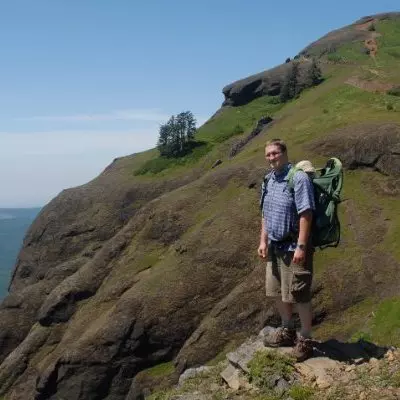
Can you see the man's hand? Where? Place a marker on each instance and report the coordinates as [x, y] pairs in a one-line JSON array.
[[263, 250], [299, 256]]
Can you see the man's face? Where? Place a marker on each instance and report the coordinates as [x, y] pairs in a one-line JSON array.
[[275, 157]]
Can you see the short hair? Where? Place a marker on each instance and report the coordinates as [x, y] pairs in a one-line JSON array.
[[277, 142]]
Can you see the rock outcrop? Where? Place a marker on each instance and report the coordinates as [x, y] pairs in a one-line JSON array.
[[264, 83], [130, 272], [252, 370], [262, 123], [131, 298], [375, 146], [269, 82]]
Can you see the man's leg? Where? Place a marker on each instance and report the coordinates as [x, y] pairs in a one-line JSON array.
[[277, 285], [286, 334], [300, 291], [285, 311], [305, 314]]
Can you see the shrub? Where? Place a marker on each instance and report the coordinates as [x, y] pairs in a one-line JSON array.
[[314, 74], [273, 100], [330, 49], [237, 130], [335, 58], [389, 107], [372, 28], [394, 91]]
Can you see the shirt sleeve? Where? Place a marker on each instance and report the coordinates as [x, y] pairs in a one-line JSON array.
[[303, 192]]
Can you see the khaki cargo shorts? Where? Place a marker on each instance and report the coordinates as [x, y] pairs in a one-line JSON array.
[[292, 282]]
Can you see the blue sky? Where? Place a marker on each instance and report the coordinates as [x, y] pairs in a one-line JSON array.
[[85, 81]]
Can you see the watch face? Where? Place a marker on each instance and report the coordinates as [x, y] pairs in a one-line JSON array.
[[301, 246]]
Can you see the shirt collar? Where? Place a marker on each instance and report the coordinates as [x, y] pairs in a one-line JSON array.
[[284, 174]]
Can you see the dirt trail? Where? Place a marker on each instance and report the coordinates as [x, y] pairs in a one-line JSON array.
[[369, 86], [370, 43]]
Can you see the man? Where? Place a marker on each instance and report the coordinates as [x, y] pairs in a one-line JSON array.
[[284, 243]]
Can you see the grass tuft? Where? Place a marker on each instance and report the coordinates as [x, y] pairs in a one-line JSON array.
[[298, 392], [162, 369], [267, 363], [384, 326], [161, 163]]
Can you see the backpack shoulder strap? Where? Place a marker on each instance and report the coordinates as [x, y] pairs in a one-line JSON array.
[[264, 188], [290, 177]]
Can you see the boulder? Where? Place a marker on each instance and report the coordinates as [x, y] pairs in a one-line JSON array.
[[264, 83], [369, 145], [192, 372], [261, 124]]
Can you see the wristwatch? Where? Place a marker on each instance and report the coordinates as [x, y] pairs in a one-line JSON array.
[[301, 246]]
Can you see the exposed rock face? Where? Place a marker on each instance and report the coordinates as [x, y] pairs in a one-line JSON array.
[[69, 250], [261, 124], [112, 299], [365, 145], [127, 272], [269, 82], [264, 83], [162, 286]]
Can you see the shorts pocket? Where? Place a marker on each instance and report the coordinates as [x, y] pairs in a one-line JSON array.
[[300, 287]]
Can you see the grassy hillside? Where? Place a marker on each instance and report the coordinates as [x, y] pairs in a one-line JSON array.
[[228, 123], [154, 261], [319, 111]]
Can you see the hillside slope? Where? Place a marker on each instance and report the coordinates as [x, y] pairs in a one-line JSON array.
[[155, 260]]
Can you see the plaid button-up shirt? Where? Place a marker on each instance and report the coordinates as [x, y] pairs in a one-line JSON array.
[[283, 205]]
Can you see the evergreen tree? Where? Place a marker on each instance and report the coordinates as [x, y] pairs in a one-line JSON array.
[[164, 139], [177, 135], [290, 86], [314, 74]]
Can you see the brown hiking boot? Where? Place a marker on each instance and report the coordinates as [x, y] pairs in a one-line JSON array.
[[303, 349], [280, 337]]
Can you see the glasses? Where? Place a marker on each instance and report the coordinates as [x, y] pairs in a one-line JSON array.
[[272, 153]]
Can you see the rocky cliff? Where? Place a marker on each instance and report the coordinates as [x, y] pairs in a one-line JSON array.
[[133, 271], [270, 82]]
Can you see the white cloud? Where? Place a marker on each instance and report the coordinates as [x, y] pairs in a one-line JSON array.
[[76, 142], [154, 115], [144, 115], [36, 166]]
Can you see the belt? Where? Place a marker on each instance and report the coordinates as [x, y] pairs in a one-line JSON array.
[[280, 244], [289, 239]]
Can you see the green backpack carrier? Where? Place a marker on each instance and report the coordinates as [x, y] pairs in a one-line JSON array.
[[327, 183]]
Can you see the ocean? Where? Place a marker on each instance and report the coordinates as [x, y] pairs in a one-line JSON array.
[[14, 222]]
